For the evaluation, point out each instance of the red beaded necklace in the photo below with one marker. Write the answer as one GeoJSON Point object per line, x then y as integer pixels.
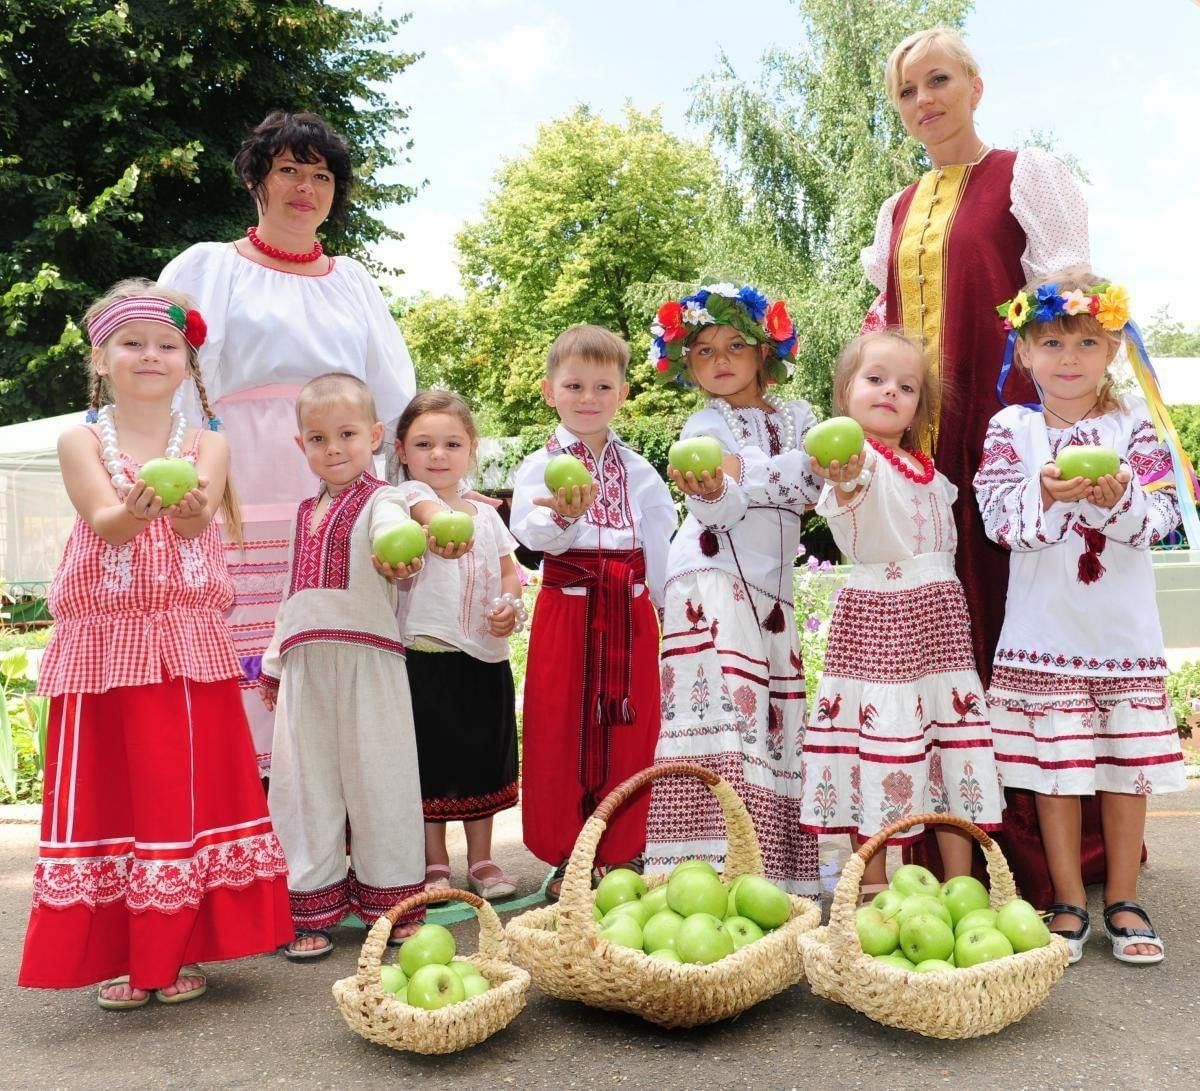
{"type": "Point", "coordinates": [284, 255]}
{"type": "Point", "coordinates": [886, 453]}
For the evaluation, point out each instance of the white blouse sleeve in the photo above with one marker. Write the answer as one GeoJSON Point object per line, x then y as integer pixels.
{"type": "Point", "coordinates": [538, 527]}
{"type": "Point", "coordinates": [658, 522]}
{"type": "Point", "coordinates": [1052, 211]}
{"type": "Point", "coordinates": [388, 367]}
{"type": "Point", "coordinates": [875, 257]}
{"type": "Point", "coordinates": [784, 480]}
{"type": "Point", "coordinates": [723, 511]}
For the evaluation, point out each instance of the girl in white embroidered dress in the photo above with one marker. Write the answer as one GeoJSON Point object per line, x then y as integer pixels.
{"type": "Point", "coordinates": [455, 620]}
{"type": "Point", "coordinates": [900, 725]}
{"type": "Point", "coordinates": [156, 849]}
{"type": "Point", "coordinates": [732, 677]}
{"type": "Point", "coordinates": [1078, 695]}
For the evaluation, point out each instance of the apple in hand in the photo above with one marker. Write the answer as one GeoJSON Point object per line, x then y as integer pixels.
{"type": "Point", "coordinates": [876, 934]}
{"type": "Point", "coordinates": [660, 930]}
{"type": "Point", "coordinates": [623, 930]}
{"type": "Point", "coordinates": [451, 528]}
{"type": "Point", "coordinates": [702, 938]}
{"type": "Point", "coordinates": [170, 478]}
{"type": "Point", "coordinates": [1090, 462]}
{"type": "Point", "coordinates": [617, 886]}
{"type": "Point", "coordinates": [762, 901]}
{"type": "Point", "coordinates": [1022, 925]}
{"type": "Point", "coordinates": [978, 945]}
{"type": "Point", "coordinates": [431, 944]}
{"type": "Point", "coordinates": [697, 455]}
{"type": "Point", "coordinates": [434, 986]}
{"type": "Point", "coordinates": [566, 472]}
{"type": "Point", "coordinates": [401, 544]}
{"type": "Point", "coordinates": [836, 439]}
{"type": "Point", "coordinates": [977, 918]}
{"type": "Point", "coordinates": [696, 891]}
{"type": "Point", "coordinates": [914, 879]}
{"type": "Point", "coordinates": [926, 936]}
{"type": "Point", "coordinates": [391, 978]}
{"type": "Point", "coordinates": [963, 894]}
{"type": "Point", "coordinates": [923, 903]}
{"type": "Point", "coordinates": [743, 930]}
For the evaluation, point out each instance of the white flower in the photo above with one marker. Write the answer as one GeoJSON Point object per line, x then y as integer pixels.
{"type": "Point", "coordinates": [695, 315]}
{"type": "Point", "coordinates": [724, 288]}
{"type": "Point", "coordinates": [652, 355]}
{"type": "Point", "coordinates": [656, 329]}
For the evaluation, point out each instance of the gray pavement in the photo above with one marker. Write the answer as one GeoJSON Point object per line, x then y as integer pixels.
{"type": "Point", "coordinates": [267, 1022]}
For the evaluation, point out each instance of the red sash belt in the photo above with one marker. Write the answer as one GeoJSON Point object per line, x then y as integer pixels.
{"type": "Point", "coordinates": [608, 577]}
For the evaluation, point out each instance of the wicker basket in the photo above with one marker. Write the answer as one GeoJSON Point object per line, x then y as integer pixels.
{"type": "Point", "coordinates": [964, 1004]}
{"type": "Point", "coordinates": [560, 948]}
{"type": "Point", "coordinates": [381, 1017]}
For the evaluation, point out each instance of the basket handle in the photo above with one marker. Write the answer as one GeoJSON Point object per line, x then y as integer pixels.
{"type": "Point", "coordinates": [843, 934]}
{"type": "Point", "coordinates": [492, 944]}
{"type": "Point", "coordinates": [575, 903]}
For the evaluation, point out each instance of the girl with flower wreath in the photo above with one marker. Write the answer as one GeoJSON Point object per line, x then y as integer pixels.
{"type": "Point", "coordinates": [732, 677]}
{"type": "Point", "coordinates": [900, 724]}
{"type": "Point", "coordinates": [156, 850]}
{"type": "Point", "coordinates": [1078, 695]}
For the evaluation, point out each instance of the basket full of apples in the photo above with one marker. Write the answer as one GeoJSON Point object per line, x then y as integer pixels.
{"type": "Point", "coordinates": [429, 1001]}
{"type": "Point", "coordinates": [677, 950]}
{"type": "Point", "coordinates": [948, 960]}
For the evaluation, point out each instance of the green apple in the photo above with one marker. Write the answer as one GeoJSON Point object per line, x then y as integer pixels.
{"type": "Point", "coordinates": [617, 886]}
{"type": "Point", "coordinates": [962, 895]}
{"type": "Point", "coordinates": [697, 455]}
{"type": "Point", "coordinates": [877, 935]}
{"type": "Point", "coordinates": [933, 966]}
{"type": "Point", "coordinates": [696, 891]}
{"type": "Point", "coordinates": [660, 930]}
{"type": "Point", "coordinates": [1022, 925]}
{"type": "Point", "coordinates": [888, 902]}
{"type": "Point", "coordinates": [391, 978]}
{"type": "Point", "coordinates": [743, 930]}
{"type": "Point", "coordinates": [463, 968]}
{"type": "Point", "coordinates": [655, 900]}
{"type": "Point", "coordinates": [635, 909]}
{"type": "Point", "coordinates": [914, 879]}
{"type": "Point", "coordinates": [431, 944]}
{"type": "Point", "coordinates": [622, 930]}
{"type": "Point", "coordinates": [1090, 462]}
{"type": "Point", "coordinates": [895, 959]}
{"type": "Point", "coordinates": [923, 903]}
{"type": "Point", "coordinates": [926, 936]}
{"type": "Point", "coordinates": [474, 985]}
{"type": "Point", "coordinates": [762, 901]}
{"type": "Point", "coordinates": [666, 954]}
{"type": "Point", "coordinates": [401, 544]}
{"type": "Point", "coordinates": [978, 945]}
{"type": "Point", "coordinates": [837, 439]}
{"type": "Point", "coordinates": [977, 918]}
{"type": "Point", "coordinates": [451, 527]}
{"type": "Point", "coordinates": [596, 914]}
{"type": "Point", "coordinates": [434, 986]}
{"type": "Point", "coordinates": [170, 478]}
{"type": "Point", "coordinates": [702, 938]}
{"type": "Point", "coordinates": [566, 472]}
{"type": "Point", "coordinates": [688, 865]}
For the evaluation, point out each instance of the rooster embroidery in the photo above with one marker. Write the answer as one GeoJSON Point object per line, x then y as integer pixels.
{"type": "Point", "coordinates": [965, 706]}
{"type": "Point", "coordinates": [695, 614]}
{"type": "Point", "coordinates": [827, 709]}
{"type": "Point", "coordinates": [866, 717]}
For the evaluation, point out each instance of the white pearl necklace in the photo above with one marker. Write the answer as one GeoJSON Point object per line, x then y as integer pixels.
{"type": "Point", "coordinates": [787, 422]}
{"type": "Point", "coordinates": [112, 454]}
{"type": "Point", "coordinates": [518, 605]}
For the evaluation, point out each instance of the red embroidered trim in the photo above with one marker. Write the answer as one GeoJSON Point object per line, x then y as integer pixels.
{"type": "Point", "coordinates": [902, 466]}
{"type": "Point", "coordinates": [342, 636]}
{"type": "Point", "coordinates": [467, 808]}
{"type": "Point", "coordinates": [322, 560]}
{"type": "Point", "coordinates": [1048, 659]}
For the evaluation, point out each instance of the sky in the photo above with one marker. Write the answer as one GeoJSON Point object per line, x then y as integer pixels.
{"type": "Point", "coordinates": [1116, 87]}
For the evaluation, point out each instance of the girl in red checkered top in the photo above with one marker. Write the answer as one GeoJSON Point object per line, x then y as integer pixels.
{"type": "Point", "coordinates": [156, 850]}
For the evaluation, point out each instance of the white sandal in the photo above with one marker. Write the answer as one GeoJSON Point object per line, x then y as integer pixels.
{"type": "Point", "coordinates": [1076, 937]}
{"type": "Point", "coordinates": [492, 887]}
{"type": "Point", "coordinates": [1124, 938]}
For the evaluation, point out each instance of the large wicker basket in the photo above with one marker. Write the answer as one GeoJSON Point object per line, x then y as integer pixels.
{"type": "Point", "coordinates": [560, 948]}
{"type": "Point", "coordinates": [964, 1004]}
{"type": "Point", "coordinates": [382, 1018]}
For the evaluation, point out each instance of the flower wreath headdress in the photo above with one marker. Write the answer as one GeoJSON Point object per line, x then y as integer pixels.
{"type": "Point", "coordinates": [746, 309]}
{"type": "Point", "coordinates": [1109, 305]}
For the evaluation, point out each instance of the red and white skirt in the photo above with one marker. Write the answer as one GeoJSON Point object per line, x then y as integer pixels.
{"type": "Point", "coordinates": [1075, 735]}
{"type": "Point", "coordinates": [900, 723]}
{"type": "Point", "coordinates": [156, 849]}
{"type": "Point", "coordinates": [732, 701]}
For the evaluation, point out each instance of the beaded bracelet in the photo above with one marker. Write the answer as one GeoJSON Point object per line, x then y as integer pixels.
{"type": "Point", "coordinates": [518, 605]}
{"type": "Point", "coordinates": [862, 480]}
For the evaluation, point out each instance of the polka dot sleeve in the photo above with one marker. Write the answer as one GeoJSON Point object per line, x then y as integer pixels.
{"type": "Point", "coordinates": [1051, 208]}
{"type": "Point", "coordinates": [875, 256]}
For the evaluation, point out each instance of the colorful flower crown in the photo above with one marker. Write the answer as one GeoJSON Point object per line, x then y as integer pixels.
{"type": "Point", "coordinates": [746, 309]}
{"type": "Point", "coordinates": [1107, 303]}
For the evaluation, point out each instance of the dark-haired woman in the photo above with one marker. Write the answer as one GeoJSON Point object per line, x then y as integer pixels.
{"type": "Point", "coordinates": [280, 312]}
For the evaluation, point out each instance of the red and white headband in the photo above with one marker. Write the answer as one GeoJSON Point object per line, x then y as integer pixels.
{"type": "Point", "coordinates": [147, 308]}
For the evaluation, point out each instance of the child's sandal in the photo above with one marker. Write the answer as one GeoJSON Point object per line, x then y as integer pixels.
{"type": "Point", "coordinates": [293, 954]}
{"type": "Point", "coordinates": [490, 887]}
{"type": "Point", "coordinates": [554, 886]}
{"type": "Point", "coordinates": [1124, 938]}
{"type": "Point", "coordinates": [119, 1005]}
{"type": "Point", "coordinates": [1075, 937]}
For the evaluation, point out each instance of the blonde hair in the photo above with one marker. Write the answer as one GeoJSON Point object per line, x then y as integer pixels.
{"type": "Point", "coordinates": [335, 388]}
{"type": "Point", "coordinates": [592, 344]}
{"type": "Point", "coordinates": [1076, 278]}
{"type": "Point", "coordinates": [916, 46]}
{"type": "Point", "coordinates": [849, 363]}
{"type": "Point", "coordinates": [436, 401]}
{"type": "Point", "coordinates": [98, 387]}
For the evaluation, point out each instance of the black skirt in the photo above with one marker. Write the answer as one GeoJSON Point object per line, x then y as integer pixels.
{"type": "Point", "coordinates": [465, 717]}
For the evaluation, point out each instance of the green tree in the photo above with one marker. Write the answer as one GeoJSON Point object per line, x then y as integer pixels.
{"type": "Point", "coordinates": [118, 124]}
{"type": "Point", "coordinates": [1166, 336]}
{"type": "Point", "coordinates": [591, 210]}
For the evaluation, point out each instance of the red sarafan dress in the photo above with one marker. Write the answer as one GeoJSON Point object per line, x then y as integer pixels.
{"type": "Point", "coordinates": [156, 849]}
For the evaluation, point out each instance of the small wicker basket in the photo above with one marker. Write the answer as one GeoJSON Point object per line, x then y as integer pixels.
{"type": "Point", "coordinates": [382, 1018]}
{"type": "Point", "coordinates": [560, 948]}
{"type": "Point", "coordinates": [964, 1004]}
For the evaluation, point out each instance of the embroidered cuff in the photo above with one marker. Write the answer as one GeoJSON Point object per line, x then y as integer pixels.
{"type": "Point", "coordinates": [267, 682]}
